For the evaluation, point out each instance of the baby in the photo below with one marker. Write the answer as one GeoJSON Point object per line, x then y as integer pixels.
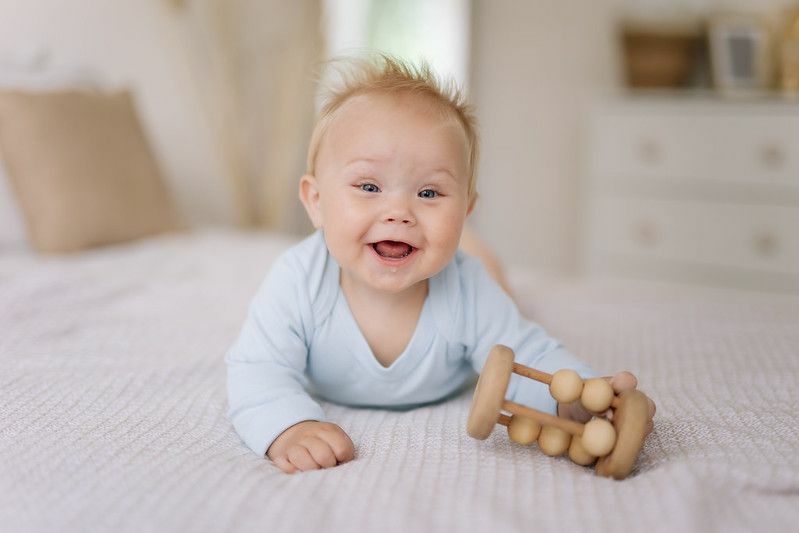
{"type": "Point", "coordinates": [379, 307]}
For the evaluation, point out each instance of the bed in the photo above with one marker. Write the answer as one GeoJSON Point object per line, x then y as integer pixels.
{"type": "Point", "coordinates": [112, 409]}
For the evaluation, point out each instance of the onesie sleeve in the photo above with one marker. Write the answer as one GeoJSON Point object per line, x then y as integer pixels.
{"type": "Point", "coordinates": [266, 364]}
{"type": "Point", "coordinates": [494, 318]}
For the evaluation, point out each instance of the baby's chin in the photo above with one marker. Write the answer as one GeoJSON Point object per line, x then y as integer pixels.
{"type": "Point", "coordinates": [395, 283]}
{"type": "Point", "coordinates": [388, 285]}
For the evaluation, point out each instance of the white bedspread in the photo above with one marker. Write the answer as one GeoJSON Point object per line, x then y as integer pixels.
{"type": "Point", "coordinates": [112, 410]}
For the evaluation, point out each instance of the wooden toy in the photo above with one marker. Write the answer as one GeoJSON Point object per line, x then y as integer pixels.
{"type": "Point", "coordinates": [614, 447]}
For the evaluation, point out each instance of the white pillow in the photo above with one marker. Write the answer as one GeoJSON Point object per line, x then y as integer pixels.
{"type": "Point", "coordinates": [33, 71]}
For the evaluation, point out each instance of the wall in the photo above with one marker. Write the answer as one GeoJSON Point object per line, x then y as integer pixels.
{"type": "Point", "coordinates": [536, 65]}
{"type": "Point", "coordinates": [133, 43]}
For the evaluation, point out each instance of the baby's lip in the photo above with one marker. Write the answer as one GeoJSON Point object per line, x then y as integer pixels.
{"type": "Point", "coordinates": [392, 250]}
{"type": "Point", "coordinates": [396, 241]}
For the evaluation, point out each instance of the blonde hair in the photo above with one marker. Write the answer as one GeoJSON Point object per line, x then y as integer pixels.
{"type": "Point", "coordinates": [387, 74]}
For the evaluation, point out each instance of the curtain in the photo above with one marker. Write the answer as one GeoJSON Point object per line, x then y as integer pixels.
{"type": "Point", "coordinates": [255, 64]}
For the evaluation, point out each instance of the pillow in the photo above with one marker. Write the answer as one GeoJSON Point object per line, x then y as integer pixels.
{"type": "Point", "coordinates": [81, 169]}
{"type": "Point", "coordinates": [34, 71]}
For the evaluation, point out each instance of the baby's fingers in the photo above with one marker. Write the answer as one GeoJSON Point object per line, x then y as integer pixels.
{"type": "Point", "coordinates": [284, 464]}
{"type": "Point", "coordinates": [342, 447]}
{"type": "Point", "coordinates": [300, 457]}
{"type": "Point", "coordinates": [622, 381]}
{"type": "Point", "coordinates": [320, 451]}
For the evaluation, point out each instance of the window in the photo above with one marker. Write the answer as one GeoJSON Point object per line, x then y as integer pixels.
{"type": "Point", "coordinates": [437, 32]}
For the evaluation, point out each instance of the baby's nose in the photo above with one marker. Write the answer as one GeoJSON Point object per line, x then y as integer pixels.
{"type": "Point", "coordinates": [402, 220]}
{"type": "Point", "coordinates": [398, 212]}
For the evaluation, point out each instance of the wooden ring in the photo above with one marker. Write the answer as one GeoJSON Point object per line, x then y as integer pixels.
{"type": "Point", "coordinates": [629, 419]}
{"type": "Point", "coordinates": [489, 394]}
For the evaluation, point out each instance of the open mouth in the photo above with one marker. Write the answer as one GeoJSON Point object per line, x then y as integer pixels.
{"type": "Point", "coordinates": [393, 250]}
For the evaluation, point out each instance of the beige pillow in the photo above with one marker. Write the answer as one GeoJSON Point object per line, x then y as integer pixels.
{"type": "Point", "coordinates": [81, 169]}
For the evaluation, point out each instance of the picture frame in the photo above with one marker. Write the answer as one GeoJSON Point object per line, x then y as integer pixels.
{"type": "Point", "coordinates": [740, 53]}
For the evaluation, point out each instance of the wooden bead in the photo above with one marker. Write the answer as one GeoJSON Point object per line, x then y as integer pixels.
{"type": "Point", "coordinates": [566, 385]}
{"type": "Point", "coordinates": [599, 437]}
{"type": "Point", "coordinates": [553, 441]}
{"type": "Point", "coordinates": [523, 430]}
{"type": "Point", "coordinates": [578, 454]}
{"type": "Point", "coordinates": [597, 395]}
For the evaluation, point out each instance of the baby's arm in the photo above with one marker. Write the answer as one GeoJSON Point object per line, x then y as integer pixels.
{"type": "Point", "coordinates": [269, 406]}
{"type": "Point", "coordinates": [494, 318]}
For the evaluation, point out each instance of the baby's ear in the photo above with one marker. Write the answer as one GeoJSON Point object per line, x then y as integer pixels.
{"type": "Point", "coordinates": [472, 201]}
{"type": "Point", "coordinates": [309, 196]}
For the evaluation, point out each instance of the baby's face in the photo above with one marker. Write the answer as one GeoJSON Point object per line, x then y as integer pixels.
{"type": "Point", "coordinates": [390, 190]}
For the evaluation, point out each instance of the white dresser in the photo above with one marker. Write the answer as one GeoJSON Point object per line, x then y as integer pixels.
{"type": "Point", "coordinates": [694, 189]}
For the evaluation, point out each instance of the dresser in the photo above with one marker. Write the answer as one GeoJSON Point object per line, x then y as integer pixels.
{"type": "Point", "coordinates": [693, 189]}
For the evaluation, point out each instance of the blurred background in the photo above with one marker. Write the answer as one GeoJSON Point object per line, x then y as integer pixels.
{"type": "Point", "coordinates": [652, 139]}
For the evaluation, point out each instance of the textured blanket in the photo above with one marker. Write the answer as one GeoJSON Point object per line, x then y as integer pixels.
{"type": "Point", "coordinates": [112, 410]}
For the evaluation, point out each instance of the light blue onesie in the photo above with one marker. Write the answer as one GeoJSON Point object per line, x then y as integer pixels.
{"type": "Point", "coordinates": [300, 332]}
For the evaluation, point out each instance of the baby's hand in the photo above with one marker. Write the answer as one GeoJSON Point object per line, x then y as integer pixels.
{"type": "Point", "coordinates": [311, 445]}
{"type": "Point", "coordinates": [621, 381]}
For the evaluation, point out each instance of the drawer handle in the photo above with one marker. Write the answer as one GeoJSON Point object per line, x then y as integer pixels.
{"type": "Point", "coordinates": [645, 233]}
{"type": "Point", "coordinates": [766, 244]}
{"type": "Point", "coordinates": [772, 156]}
{"type": "Point", "coordinates": [650, 151]}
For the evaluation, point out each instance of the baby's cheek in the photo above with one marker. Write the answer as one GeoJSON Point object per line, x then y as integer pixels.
{"type": "Point", "coordinates": [445, 251]}
{"type": "Point", "coordinates": [450, 234]}
{"type": "Point", "coordinates": [443, 232]}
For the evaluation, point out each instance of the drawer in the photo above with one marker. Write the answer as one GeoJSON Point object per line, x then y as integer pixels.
{"type": "Point", "coordinates": [752, 237]}
{"type": "Point", "coordinates": [709, 144]}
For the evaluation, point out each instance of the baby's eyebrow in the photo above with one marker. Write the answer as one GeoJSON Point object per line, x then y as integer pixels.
{"type": "Point", "coordinates": [445, 171]}
{"type": "Point", "coordinates": [369, 160]}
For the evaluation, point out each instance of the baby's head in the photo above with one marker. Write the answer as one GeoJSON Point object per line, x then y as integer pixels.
{"type": "Point", "coordinates": [391, 173]}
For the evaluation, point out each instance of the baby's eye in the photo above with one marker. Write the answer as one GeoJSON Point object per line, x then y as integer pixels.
{"type": "Point", "coordinates": [369, 187]}
{"type": "Point", "coordinates": [428, 193]}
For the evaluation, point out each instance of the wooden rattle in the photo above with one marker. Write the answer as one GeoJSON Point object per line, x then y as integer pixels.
{"type": "Point", "coordinates": [616, 445]}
